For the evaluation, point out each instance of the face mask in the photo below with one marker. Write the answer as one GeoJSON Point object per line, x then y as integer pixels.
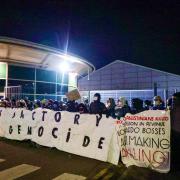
{"type": "Point", "coordinates": [95, 98]}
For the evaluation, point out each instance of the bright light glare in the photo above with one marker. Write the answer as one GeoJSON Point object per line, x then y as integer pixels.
{"type": "Point", "coordinates": [64, 66]}
{"type": "Point", "coordinates": [69, 58]}
{"type": "Point", "coordinates": [75, 74]}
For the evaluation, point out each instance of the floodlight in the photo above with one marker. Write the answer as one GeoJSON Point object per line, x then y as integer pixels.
{"type": "Point", "coordinates": [64, 66]}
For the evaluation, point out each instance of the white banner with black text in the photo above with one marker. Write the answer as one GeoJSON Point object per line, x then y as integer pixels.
{"type": "Point", "coordinates": [82, 134]}
{"type": "Point", "coordinates": [143, 139]}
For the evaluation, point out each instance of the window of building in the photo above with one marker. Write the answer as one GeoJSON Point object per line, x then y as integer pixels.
{"type": "Point", "coordinates": [27, 86]}
{"type": "Point", "coordinates": [16, 72]}
{"type": "Point", "coordinates": [62, 89]}
{"type": "Point", "coordinates": [2, 84]}
{"type": "Point", "coordinates": [62, 78]}
{"type": "Point", "coordinates": [45, 75]}
{"type": "Point", "coordinates": [45, 88]}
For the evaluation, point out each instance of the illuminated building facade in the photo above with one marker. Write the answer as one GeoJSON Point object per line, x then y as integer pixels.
{"type": "Point", "coordinates": [36, 71]}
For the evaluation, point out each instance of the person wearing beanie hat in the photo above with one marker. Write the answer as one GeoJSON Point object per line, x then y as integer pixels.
{"type": "Point", "coordinates": [97, 107]}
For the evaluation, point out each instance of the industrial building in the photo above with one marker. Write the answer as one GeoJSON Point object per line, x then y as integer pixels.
{"type": "Point", "coordinates": [121, 78]}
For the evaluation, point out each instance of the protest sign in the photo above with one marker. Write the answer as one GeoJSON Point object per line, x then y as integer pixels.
{"type": "Point", "coordinates": [145, 140]}
{"type": "Point", "coordinates": [73, 95]}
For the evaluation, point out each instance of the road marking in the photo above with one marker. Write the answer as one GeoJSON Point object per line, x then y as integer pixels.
{"type": "Point", "coordinates": [101, 173]}
{"type": "Point", "coordinates": [17, 171]}
{"type": "Point", "coordinates": [67, 176]}
{"type": "Point", "coordinates": [1, 160]}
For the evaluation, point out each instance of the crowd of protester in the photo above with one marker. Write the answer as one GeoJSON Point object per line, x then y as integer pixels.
{"type": "Point", "coordinates": [110, 108]}
{"type": "Point", "coordinates": [115, 110]}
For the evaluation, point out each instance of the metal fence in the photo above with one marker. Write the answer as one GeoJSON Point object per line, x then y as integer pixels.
{"type": "Point", "coordinates": [128, 94]}
{"type": "Point", "coordinates": [13, 92]}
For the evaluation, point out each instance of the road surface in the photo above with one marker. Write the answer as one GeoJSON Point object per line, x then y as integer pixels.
{"type": "Point", "coordinates": [27, 161]}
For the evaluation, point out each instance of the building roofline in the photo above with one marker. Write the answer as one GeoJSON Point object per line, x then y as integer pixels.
{"type": "Point", "coordinates": [125, 62]}
{"type": "Point", "coordinates": [146, 67]}
{"type": "Point", "coordinates": [43, 48]}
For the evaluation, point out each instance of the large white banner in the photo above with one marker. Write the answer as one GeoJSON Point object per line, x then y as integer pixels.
{"type": "Point", "coordinates": [82, 134]}
{"type": "Point", "coordinates": [145, 140]}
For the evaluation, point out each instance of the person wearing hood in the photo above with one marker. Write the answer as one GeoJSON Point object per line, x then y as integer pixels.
{"type": "Point", "coordinates": [82, 109]}
{"type": "Point", "coordinates": [137, 106]}
{"type": "Point", "coordinates": [147, 105]}
{"type": "Point", "coordinates": [110, 105]}
{"type": "Point", "coordinates": [122, 108]}
{"type": "Point", "coordinates": [97, 107]}
{"type": "Point", "coordinates": [72, 106]}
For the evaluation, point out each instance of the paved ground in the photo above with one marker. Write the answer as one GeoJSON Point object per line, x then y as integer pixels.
{"type": "Point", "coordinates": [25, 161]}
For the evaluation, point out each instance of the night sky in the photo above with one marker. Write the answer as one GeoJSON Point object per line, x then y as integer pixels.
{"type": "Point", "coordinates": [142, 32]}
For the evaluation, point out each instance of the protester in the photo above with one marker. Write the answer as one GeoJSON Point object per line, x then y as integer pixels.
{"type": "Point", "coordinates": [7, 102]}
{"type": "Point", "coordinates": [147, 105]}
{"type": "Point", "coordinates": [49, 104]}
{"type": "Point", "coordinates": [37, 103]}
{"type": "Point", "coordinates": [55, 106]}
{"type": "Point", "coordinates": [62, 106]}
{"type": "Point", "coordinates": [82, 108]}
{"type": "Point", "coordinates": [169, 104]}
{"type": "Point", "coordinates": [110, 105]}
{"type": "Point", "coordinates": [30, 105]}
{"type": "Point", "coordinates": [21, 104]}
{"type": "Point", "coordinates": [175, 133]}
{"type": "Point", "coordinates": [86, 103]}
{"type": "Point", "coordinates": [97, 107]}
{"type": "Point", "coordinates": [44, 103]}
{"type": "Point", "coordinates": [137, 106]}
{"type": "Point", "coordinates": [121, 108]}
{"type": "Point", "coordinates": [72, 106]}
{"type": "Point", "coordinates": [13, 103]}
{"type": "Point", "coordinates": [158, 103]}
